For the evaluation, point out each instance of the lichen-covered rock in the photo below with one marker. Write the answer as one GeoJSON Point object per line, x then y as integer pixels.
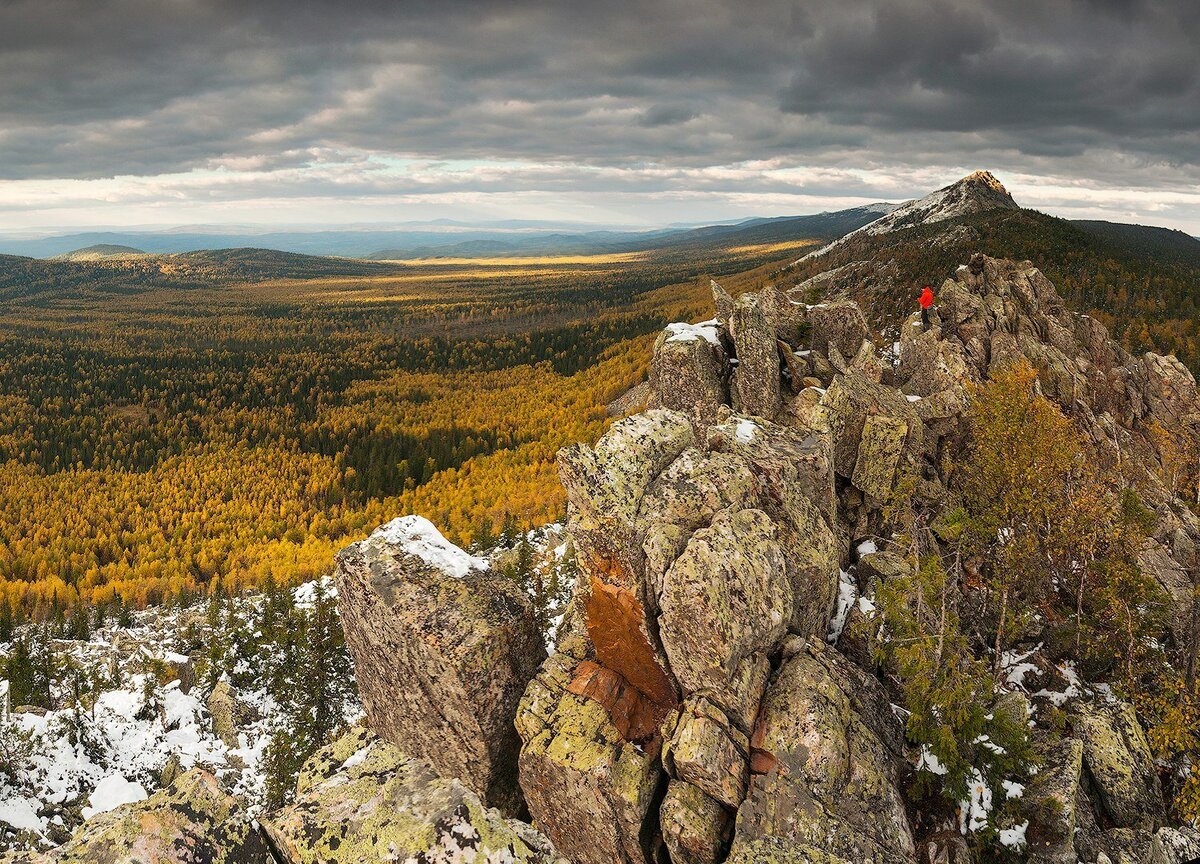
{"type": "Point", "coordinates": [756, 379]}
{"type": "Point", "coordinates": [796, 470]}
{"type": "Point", "coordinates": [227, 713]}
{"type": "Point", "coordinates": [723, 303]}
{"type": "Point", "coordinates": [695, 828]}
{"type": "Point", "coordinates": [443, 651]}
{"type": "Point", "coordinates": [883, 567]}
{"type": "Point", "coordinates": [685, 497]}
{"type": "Point", "coordinates": [726, 598]}
{"type": "Point", "coordinates": [605, 485]}
{"type": "Point", "coordinates": [688, 372]}
{"type": "Point", "coordinates": [777, 850]}
{"type": "Point", "coordinates": [879, 453]}
{"type": "Point", "coordinates": [362, 800]}
{"type": "Point", "coordinates": [849, 401]}
{"type": "Point", "coordinates": [707, 751]}
{"type": "Point", "coordinates": [1174, 846]}
{"type": "Point", "coordinates": [1050, 801]}
{"type": "Point", "coordinates": [588, 787]}
{"type": "Point", "coordinates": [839, 324]}
{"type": "Point", "coordinates": [823, 777]}
{"type": "Point", "coordinates": [786, 317]}
{"type": "Point", "coordinates": [1169, 390]}
{"type": "Point", "coordinates": [790, 461]}
{"type": "Point", "coordinates": [1156, 561]}
{"type": "Point", "coordinates": [190, 822]}
{"type": "Point", "coordinates": [1119, 763]}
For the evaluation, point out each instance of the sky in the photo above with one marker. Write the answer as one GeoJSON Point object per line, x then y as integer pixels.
{"type": "Point", "coordinates": [145, 113]}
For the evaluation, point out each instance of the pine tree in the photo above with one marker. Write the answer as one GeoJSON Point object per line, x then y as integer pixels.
{"type": "Point", "coordinates": [312, 688]}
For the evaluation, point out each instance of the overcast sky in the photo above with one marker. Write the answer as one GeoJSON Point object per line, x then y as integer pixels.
{"type": "Point", "coordinates": [175, 112]}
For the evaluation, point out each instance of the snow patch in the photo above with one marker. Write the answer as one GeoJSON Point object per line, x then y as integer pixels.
{"type": "Point", "coordinates": [681, 331]}
{"type": "Point", "coordinates": [1014, 837]}
{"type": "Point", "coordinates": [21, 814]}
{"type": "Point", "coordinates": [110, 793]}
{"type": "Point", "coordinates": [419, 537]}
{"type": "Point", "coordinates": [745, 431]}
{"type": "Point", "coordinates": [929, 762]}
{"type": "Point", "coordinates": [847, 593]}
{"type": "Point", "coordinates": [974, 811]}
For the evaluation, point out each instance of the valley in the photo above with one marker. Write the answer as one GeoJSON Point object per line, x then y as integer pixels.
{"type": "Point", "coordinates": [172, 426]}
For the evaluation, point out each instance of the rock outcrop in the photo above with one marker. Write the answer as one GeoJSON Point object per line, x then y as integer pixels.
{"type": "Point", "coordinates": [708, 698]}
{"type": "Point", "coordinates": [443, 652]}
{"type": "Point", "coordinates": [192, 821]}
{"type": "Point", "coordinates": [360, 800]}
{"type": "Point", "coordinates": [687, 518]}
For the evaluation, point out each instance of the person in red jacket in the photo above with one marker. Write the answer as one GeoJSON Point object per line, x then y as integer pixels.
{"type": "Point", "coordinates": [926, 300]}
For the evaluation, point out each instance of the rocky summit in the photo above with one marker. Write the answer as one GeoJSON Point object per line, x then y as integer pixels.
{"type": "Point", "coordinates": [712, 694]}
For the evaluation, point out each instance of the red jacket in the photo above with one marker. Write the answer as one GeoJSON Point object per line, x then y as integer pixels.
{"type": "Point", "coordinates": [926, 299]}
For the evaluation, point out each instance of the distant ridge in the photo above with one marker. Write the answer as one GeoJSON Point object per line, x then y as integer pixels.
{"type": "Point", "coordinates": [98, 252]}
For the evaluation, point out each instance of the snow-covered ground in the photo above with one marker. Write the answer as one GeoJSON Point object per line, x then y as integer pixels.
{"type": "Point", "coordinates": [85, 759]}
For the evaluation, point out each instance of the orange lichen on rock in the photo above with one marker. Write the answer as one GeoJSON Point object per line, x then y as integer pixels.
{"type": "Point", "coordinates": [632, 712]}
{"type": "Point", "coordinates": [616, 625]}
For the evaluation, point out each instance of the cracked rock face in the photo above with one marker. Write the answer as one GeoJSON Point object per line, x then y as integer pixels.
{"type": "Point", "coordinates": [443, 651]}
{"type": "Point", "coordinates": [823, 776]}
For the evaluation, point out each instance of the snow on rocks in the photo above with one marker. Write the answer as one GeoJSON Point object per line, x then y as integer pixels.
{"type": "Point", "coordinates": [443, 648]}
{"type": "Point", "coordinates": [420, 537]}
{"type": "Point", "coordinates": [847, 594]}
{"type": "Point", "coordinates": [110, 793]}
{"type": "Point", "coordinates": [681, 331]}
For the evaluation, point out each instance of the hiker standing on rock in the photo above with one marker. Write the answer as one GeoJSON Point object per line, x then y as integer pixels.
{"type": "Point", "coordinates": [926, 300]}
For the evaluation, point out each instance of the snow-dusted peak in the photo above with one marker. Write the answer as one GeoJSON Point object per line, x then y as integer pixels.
{"type": "Point", "coordinates": [421, 538]}
{"type": "Point", "coordinates": [975, 193]}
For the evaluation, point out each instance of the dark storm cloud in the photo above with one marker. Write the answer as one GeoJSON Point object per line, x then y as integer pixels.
{"type": "Point", "coordinates": [96, 88]}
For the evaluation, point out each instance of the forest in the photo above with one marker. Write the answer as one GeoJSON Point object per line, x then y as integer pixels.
{"type": "Point", "coordinates": [174, 426]}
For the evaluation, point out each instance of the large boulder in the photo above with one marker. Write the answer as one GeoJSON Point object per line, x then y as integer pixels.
{"type": "Point", "coordinates": [688, 371]}
{"type": "Point", "coordinates": [1174, 846]}
{"type": "Point", "coordinates": [684, 498]}
{"type": "Point", "coordinates": [443, 651]}
{"type": "Point", "coordinates": [796, 472]}
{"type": "Point", "coordinates": [228, 714]}
{"type": "Point", "coordinates": [725, 599]}
{"type": "Point", "coordinates": [789, 460]}
{"type": "Point", "coordinates": [839, 324]}
{"type": "Point", "coordinates": [589, 787]}
{"type": "Point", "coordinates": [757, 378]}
{"type": "Point", "coordinates": [190, 822]}
{"type": "Point", "coordinates": [849, 402]}
{"type": "Point", "coordinates": [695, 827]}
{"type": "Point", "coordinates": [605, 485]}
{"type": "Point", "coordinates": [361, 800]}
{"type": "Point", "coordinates": [825, 767]}
{"type": "Point", "coordinates": [1050, 802]}
{"type": "Point", "coordinates": [1118, 761]}
{"type": "Point", "coordinates": [1156, 561]}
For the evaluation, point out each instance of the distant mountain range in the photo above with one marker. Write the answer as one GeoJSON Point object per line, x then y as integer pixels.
{"type": "Point", "coordinates": [431, 240]}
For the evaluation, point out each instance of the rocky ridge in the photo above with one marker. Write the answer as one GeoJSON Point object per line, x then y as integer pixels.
{"type": "Point", "coordinates": [705, 700]}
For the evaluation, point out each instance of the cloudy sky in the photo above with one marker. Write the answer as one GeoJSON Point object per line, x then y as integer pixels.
{"type": "Point", "coordinates": [183, 112]}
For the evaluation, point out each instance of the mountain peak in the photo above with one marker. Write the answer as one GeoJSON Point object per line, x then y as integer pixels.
{"type": "Point", "coordinates": [976, 193]}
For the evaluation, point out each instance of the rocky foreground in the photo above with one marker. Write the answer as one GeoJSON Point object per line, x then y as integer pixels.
{"type": "Point", "coordinates": [707, 700]}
